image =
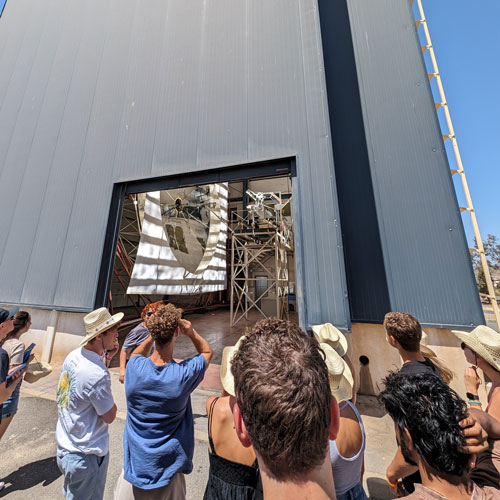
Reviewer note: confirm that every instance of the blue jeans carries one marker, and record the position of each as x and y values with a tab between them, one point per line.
84	475
9	407
355	493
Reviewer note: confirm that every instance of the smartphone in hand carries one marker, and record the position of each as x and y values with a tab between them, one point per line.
9	380
27	353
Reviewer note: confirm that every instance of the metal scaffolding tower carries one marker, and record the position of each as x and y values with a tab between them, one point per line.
469	208
259	246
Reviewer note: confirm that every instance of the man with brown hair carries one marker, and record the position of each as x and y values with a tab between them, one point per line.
158	441
285	410
404	333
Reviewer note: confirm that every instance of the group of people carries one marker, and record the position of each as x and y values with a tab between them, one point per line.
285	426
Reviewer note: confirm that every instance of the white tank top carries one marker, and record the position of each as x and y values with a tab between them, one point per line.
347	471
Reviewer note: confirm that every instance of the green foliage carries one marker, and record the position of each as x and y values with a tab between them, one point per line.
492	252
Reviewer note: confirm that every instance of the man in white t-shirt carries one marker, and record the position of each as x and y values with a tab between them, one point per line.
86	408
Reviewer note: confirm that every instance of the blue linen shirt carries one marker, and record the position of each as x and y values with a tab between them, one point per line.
158	440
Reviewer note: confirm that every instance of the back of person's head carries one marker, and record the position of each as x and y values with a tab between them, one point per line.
163	323
150	309
283	393
430	411
20	321
405	329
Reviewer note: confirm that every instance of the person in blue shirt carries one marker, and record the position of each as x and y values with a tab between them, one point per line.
158	440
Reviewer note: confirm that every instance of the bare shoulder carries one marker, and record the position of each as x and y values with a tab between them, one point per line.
209	402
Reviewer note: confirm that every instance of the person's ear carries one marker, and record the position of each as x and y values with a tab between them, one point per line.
239	425
335	419
392	340
409	441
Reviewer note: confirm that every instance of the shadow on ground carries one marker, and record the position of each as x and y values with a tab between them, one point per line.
369	406
42	472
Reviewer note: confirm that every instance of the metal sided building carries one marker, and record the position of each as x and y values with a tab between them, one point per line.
102	98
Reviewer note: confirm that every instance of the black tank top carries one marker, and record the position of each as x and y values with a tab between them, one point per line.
228	480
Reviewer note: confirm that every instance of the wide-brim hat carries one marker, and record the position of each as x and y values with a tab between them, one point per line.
99	321
484	341
37	370
5	314
328	334
339	374
426	351
226	376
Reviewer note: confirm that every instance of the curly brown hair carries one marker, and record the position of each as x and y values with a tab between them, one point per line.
163	323
405	328
282	389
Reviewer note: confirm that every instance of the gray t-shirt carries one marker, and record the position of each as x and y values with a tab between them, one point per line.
135	338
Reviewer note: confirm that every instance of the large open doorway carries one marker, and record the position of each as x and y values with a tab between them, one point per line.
224	254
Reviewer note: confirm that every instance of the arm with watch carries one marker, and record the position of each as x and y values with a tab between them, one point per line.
472	383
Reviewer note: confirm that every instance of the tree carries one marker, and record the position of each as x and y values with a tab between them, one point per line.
492	252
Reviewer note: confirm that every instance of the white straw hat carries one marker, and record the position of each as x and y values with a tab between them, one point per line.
328	334
426	351
485	342
339	374
226	375
99	321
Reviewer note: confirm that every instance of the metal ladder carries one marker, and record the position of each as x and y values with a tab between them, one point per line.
460	170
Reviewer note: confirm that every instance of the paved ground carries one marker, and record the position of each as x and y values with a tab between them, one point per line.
27	454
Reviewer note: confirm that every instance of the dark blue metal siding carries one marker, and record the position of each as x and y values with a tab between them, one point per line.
425	257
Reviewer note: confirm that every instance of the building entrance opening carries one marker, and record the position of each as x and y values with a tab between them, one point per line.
223	252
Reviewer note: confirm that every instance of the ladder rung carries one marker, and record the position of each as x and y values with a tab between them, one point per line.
453	171
440	105
432	75
426	47
449	136
466	209
418	22
487	295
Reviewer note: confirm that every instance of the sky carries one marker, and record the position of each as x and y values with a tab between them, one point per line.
466	41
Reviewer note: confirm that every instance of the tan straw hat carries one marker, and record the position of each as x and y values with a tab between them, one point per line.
328	334
485	342
99	321
339	374
226	375
426	351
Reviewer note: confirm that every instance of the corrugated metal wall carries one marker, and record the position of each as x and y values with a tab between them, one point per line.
401	162
105	91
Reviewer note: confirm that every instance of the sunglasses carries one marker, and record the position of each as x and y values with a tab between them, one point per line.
463	346
149	313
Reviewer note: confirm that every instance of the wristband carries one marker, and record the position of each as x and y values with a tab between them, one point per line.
474	402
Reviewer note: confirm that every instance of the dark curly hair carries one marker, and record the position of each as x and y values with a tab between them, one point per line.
282	389
163	323
430	411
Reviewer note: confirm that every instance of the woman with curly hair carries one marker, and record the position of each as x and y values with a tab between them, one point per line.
159	432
